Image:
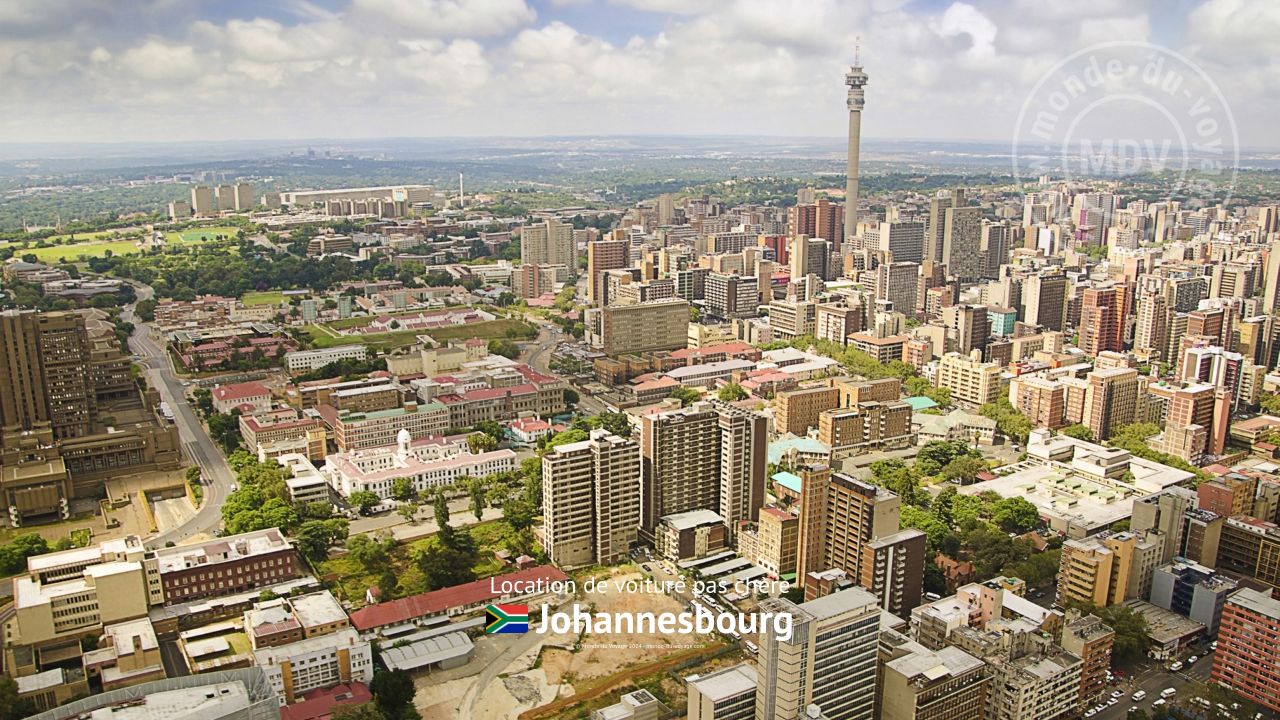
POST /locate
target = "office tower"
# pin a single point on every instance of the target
(798, 250)
(243, 197)
(179, 210)
(996, 238)
(666, 209)
(792, 318)
(744, 442)
(1044, 298)
(1271, 281)
(961, 243)
(935, 234)
(820, 219)
(829, 660)
(1233, 280)
(548, 243)
(1188, 423)
(730, 296)
(903, 240)
(856, 79)
(1101, 325)
(838, 527)
(726, 694)
(972, 382)
(709, 456)
(1091, 640)
(898, 283)
(202, 200)
(1111, 400)
(1248, 656)
(923, 684)
(45, 373)
(591, 500)
(644, 327)
(968, 326)
(1212, 323)
(1192, 590)
(225, 197)
(604, 255)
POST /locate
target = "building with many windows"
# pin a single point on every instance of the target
(1248, 656)
(591, 500)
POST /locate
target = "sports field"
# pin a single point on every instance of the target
(269, 297)
(199, 235)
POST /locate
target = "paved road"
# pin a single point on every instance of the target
(539, 359)
(198, 447)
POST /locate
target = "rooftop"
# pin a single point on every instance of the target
(836, 603)
(220, 550)
(691, 519)
(931, 665)
(1165, 626)
(438, 601)
(725, 683)
(1254, 601)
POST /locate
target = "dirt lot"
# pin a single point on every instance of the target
(534, 670)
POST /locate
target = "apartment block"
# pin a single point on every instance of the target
(1250, 546)
(896, 571)
(972, 382)
(866, 426)
(923, 684)
(796, 411)
(548, 243)
(829, 660)
(1091, 640)
(602, 256)
(1106, 569)
(726, 694)
(1040, 400)
(591, 500)
(1111, 400)
(1248, 656)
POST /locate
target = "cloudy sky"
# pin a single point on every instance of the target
(95, 70)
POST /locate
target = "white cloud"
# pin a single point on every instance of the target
(446, 18)
(160, 60)
(963, 19)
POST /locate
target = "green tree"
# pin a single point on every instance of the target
(572, 435)
(402, 489)
(731, 392)
(440, 509)
(490, 428)
(481, 443)
(1078, 431)
(477, 491)
(393, 692)
(504, 347)
(12, 708)
(203, 400)
(365, 500)
(447, 560)
(1016, 514)
(616, 423)
(193, 474)
(934, 529)
(686, 395)
(518, 513)
(1270, 403)
(963, 469)
(935, 455)
(408, 511)
(370, 552)
(1009, 421)
(13, 556)
(313, 539)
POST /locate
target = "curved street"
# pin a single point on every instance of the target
(197, 446)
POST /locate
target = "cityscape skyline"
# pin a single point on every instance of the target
(378, 68)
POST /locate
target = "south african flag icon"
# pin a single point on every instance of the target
(501, 619)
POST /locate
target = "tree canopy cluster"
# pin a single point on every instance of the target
(261, 500)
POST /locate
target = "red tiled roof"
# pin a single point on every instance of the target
(438, 601)
(320, 703)
(494, 393)
(239, 391)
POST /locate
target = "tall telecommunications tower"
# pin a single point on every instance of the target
(856, 79)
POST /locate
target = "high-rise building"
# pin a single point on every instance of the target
(591, 500)
(1040, 400)
(896, 571)
(225, 197)
(856, 80)
(902, 240)
(1101, 321)
(796, 411)
(548, 243)
(1111, 400)
(44, 367)
(996, 238)
(840, 521)
(709, 456)
(1044, 298)
(898, 282)
(604, 255)
(1192, 590)
(935, 234)
(962, 243)
(243, 197)
(730, 296)
(1248, 656)
(644, 327)
(969, 326)
(866, 426)
(820, 219)
(202, 201)
(829, 661)
(1106, 569)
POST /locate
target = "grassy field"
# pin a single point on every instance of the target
(88, 250)
(198, 235)
(270, 297)
(484, 330)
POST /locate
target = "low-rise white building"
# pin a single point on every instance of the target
(316, 662)
(304, 360)
(427, 462)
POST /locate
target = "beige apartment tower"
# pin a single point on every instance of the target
(591, 500)
(548, 243)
